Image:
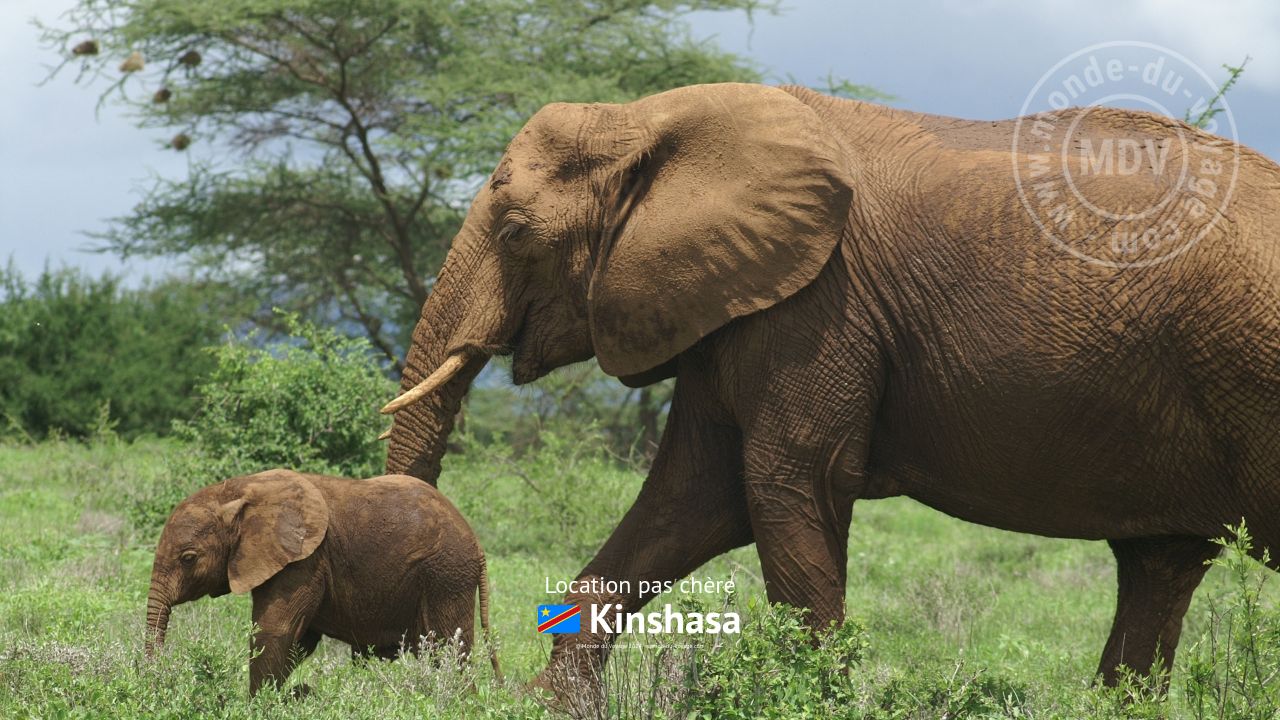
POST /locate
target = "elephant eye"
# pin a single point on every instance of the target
(188, 557)
(510, 233)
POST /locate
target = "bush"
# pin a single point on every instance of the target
(308, 404)
(1233, 673)
(72, 345)
(775, 670)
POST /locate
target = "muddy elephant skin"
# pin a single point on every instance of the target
(377, 563)
(856, 304)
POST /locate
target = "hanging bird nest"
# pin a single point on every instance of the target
(133, 63)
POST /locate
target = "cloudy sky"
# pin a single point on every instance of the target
(63, 173)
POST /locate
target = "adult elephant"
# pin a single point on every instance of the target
(855, 303)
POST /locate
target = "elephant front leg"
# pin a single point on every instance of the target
(690, 509)
(806, 460)
(801, 527)
(282, 610)
(275, 656)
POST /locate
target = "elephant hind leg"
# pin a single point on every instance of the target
(1156, 578)
(449, 618)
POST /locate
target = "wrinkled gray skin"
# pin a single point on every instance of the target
(375, 563)
(855, 304)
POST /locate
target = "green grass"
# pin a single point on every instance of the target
(960, 620)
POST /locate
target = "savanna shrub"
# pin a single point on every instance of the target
(72, 345)
(1233, 672)
(774, 670)
(959, 691)
(309, 404)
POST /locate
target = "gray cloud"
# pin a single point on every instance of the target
(62, 172)
(981, 59)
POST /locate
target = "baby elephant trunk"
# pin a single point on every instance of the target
(157, 622)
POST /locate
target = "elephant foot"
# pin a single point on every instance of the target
(299, 691)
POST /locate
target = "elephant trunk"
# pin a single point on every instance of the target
(157, 622)
(451, 344)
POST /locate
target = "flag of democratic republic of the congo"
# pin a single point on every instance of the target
(556, 619)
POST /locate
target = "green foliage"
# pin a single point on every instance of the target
(78, 353)
(563, 494)
(1205, 116)
(775, 670)
(359, 131)
(74, 571)
(309, 405)
(838, 86)
(361, 126)
(206, 678)
(578, 400)
(955, 692)
(1233, 673)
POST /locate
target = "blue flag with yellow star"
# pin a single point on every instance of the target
(557, 619)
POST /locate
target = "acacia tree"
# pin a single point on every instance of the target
(335, 142)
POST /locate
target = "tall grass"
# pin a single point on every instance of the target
(948, 620)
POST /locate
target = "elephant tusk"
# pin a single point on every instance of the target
(386, 433)
(442, 375)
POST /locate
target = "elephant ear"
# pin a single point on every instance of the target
(734, 200)
(278, 517)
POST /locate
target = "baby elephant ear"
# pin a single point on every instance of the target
(278, 517)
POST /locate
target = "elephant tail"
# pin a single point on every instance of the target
(484, 616)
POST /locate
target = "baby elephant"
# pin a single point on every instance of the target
(374, 563)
